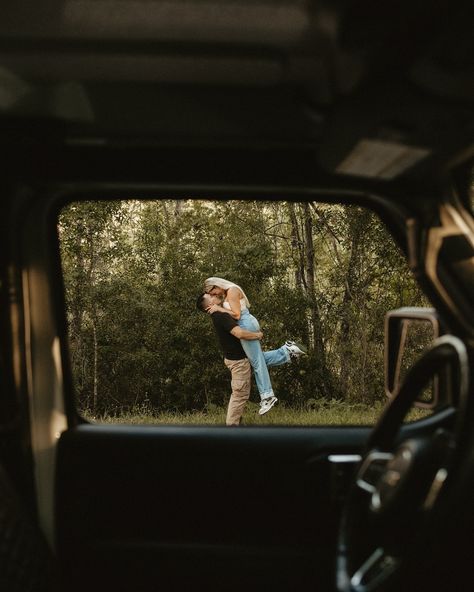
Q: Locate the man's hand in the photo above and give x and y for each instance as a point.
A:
(215, 308)
(244, 334)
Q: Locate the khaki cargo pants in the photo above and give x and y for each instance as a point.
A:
(241, 372)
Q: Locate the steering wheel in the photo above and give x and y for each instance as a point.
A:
(398, 481)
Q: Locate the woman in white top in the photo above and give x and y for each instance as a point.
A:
(236, 303)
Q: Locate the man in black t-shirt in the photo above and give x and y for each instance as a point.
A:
(229, 333)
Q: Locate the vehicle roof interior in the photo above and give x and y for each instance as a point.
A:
(362, 94)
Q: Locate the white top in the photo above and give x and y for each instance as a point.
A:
(243, 304)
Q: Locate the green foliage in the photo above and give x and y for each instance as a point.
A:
(324, 275)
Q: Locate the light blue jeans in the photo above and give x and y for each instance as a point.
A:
(259, 359)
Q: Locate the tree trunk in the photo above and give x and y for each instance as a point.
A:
(306, 273)
(297, 246)
(348, 357)
(315, 315)
(95, 387)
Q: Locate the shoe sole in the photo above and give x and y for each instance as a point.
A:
(268, 409)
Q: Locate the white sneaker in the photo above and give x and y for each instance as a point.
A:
(296, 349)
(266, 405)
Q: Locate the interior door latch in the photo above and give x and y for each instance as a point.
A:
(342, 470)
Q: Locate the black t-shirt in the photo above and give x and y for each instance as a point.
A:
(230, 345)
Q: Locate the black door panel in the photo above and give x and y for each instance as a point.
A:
(187, 506)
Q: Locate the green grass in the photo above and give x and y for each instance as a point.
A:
(322, 413)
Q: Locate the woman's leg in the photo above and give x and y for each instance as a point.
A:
(253, 351)
(277, 357)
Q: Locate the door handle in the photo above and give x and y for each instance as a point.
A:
(342, 469)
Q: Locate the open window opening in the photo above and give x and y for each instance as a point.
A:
(322, 275)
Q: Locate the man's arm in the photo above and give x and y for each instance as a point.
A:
(244, 334)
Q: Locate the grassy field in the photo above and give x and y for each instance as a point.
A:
(324, 413)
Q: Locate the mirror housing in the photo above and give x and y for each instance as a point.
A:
(409, 331)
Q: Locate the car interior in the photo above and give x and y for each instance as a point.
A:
(347, 102)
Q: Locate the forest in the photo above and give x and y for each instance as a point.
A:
(322, 274)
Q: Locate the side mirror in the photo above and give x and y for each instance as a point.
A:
(409, 331)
